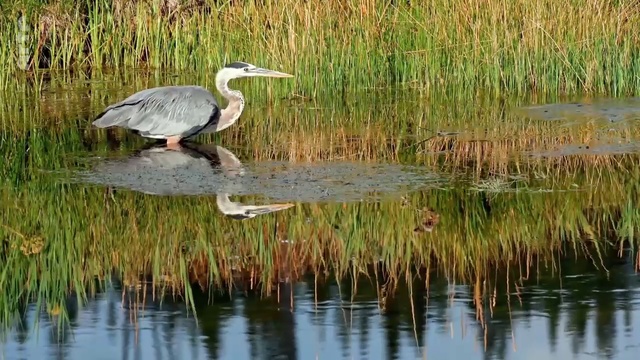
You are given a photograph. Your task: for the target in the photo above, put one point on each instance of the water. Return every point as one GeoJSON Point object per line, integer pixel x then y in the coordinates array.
{"type": "Point", "coordinates": [199, 170]}
{"type": "Point", "coordinates": [518, 233]}
{"type": "Point", "coordinates": [605, 109]}
{"type": "Point", "coordinates": [583, 316]}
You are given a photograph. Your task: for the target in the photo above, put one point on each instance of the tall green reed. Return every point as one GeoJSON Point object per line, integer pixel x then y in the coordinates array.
{"type": "Point", "coordinates": [512, 47]}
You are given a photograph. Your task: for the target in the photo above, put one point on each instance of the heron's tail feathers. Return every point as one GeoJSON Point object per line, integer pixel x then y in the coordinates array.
{"type": "Point", "coordinates": [110, 117]}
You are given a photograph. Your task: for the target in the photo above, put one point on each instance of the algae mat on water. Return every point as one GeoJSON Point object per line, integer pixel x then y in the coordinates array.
{"type": "Point", "coordinates": [207, 170]}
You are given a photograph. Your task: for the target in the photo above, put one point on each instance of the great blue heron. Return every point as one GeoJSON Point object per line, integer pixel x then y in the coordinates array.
{"type": "Point", "coordinates": [179, 112]}
{"type": "Point", "coordinates": [190, 169]}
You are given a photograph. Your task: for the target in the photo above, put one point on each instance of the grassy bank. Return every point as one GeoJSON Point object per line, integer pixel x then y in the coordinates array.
{"type": "Point", "coordinates": [515, 46]}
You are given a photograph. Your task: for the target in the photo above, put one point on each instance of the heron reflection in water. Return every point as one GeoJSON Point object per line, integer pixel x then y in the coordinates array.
{"type": "Point", "coordinates": [174, 113]}
{"type": "Point", "coordinates": [190, 169]}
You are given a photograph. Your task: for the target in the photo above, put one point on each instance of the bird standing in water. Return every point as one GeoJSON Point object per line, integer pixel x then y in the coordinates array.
{"type": "Point", "coordinates": [175, 113]}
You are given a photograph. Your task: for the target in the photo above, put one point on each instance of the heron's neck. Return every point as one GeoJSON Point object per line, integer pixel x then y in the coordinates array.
{"type": "Point", "coordinates": [235, 105]}
{"type": "Point", "coordinates": [225, 205]}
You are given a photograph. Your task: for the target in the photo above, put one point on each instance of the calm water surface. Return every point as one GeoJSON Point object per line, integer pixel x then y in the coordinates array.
{"type": "Point", "coordinates": [83, 191]}
{"type": "Point", "coordinates": [584, 315]}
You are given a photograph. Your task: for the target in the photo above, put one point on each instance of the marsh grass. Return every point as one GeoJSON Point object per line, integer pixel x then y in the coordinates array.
{"type": "Point", "coordinates": [171, 244]}
{"type": "Point", "coordinates": [463, 129]}
{"type": "Point", "coordinates": [513, 47]}
{"type": "Point", "coordinates": [489, 215]}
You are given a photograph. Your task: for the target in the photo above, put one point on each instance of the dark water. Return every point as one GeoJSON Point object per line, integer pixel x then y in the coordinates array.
{"type": "Point", "coordinates": [63, 182]}
{"type": "Point", "coordinates": [581, 315]}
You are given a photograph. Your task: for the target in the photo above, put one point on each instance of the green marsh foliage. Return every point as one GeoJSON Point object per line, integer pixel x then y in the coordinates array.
{"type": "Point", "coordinates": [58, 237]}
{"type": "Point", "coordinates": [515, 46]}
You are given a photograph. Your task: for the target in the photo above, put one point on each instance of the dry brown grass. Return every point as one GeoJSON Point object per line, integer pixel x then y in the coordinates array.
{"type": "Point", "coordinates": [520, 45]}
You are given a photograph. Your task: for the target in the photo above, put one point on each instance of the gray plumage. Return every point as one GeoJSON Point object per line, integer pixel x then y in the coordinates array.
{"type": "Point", "coordinates": [178, 112]}
{"type": "Point", "coordinates": [163, 111]}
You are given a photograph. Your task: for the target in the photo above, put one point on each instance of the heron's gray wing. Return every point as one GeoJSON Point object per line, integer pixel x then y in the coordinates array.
{"type": "Point", "coordinates": [157, 171]}
{"type": "Point", "coordinates": [163, 111]}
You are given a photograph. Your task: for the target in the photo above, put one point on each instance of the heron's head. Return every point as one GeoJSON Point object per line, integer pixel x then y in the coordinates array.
{"type": "Point", "coordinates": [244, 212]}
{"type": "Point", "coordinates": [240, 69]}
{"type": "Point", "coordinates": [241, 211]}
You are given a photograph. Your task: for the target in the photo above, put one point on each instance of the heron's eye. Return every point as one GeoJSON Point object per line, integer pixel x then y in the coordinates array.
{"type": "Point", "coordinates": [246, 69]}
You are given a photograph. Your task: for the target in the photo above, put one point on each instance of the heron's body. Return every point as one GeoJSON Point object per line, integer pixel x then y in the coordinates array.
{"type": "Point", "coordinates": [179, 112]}
{"type": "Point", "coordinates": [164, 112]}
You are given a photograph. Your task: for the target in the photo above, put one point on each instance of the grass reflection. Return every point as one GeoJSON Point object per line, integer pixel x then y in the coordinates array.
{"type": "Point", "coordinates": [499, 209]}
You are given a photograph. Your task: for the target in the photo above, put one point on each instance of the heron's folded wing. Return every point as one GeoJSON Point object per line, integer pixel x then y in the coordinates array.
{"type": "Point", "coordinates": [166, 111]}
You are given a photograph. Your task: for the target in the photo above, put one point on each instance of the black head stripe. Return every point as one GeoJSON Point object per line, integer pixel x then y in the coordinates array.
{"type": "Point", "coordinates": [237, 65]}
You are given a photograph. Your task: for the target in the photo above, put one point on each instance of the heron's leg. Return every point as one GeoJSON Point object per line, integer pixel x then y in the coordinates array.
{"type": "Point", "coordinates": [173, 142]}
{"type": "Point", "coordinates": [108, 196]}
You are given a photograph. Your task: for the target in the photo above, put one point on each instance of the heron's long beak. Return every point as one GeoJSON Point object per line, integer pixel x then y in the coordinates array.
{"type": "Point", "coordinates": [270, 73]}
{"type": "Point", "coordinates": [266, 209]}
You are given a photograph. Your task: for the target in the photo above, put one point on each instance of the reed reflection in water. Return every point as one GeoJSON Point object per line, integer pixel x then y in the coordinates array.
{"type": "Point", "coordinates": [497, 212]}
{"type": "Point", "coordinates": [581, 315]}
